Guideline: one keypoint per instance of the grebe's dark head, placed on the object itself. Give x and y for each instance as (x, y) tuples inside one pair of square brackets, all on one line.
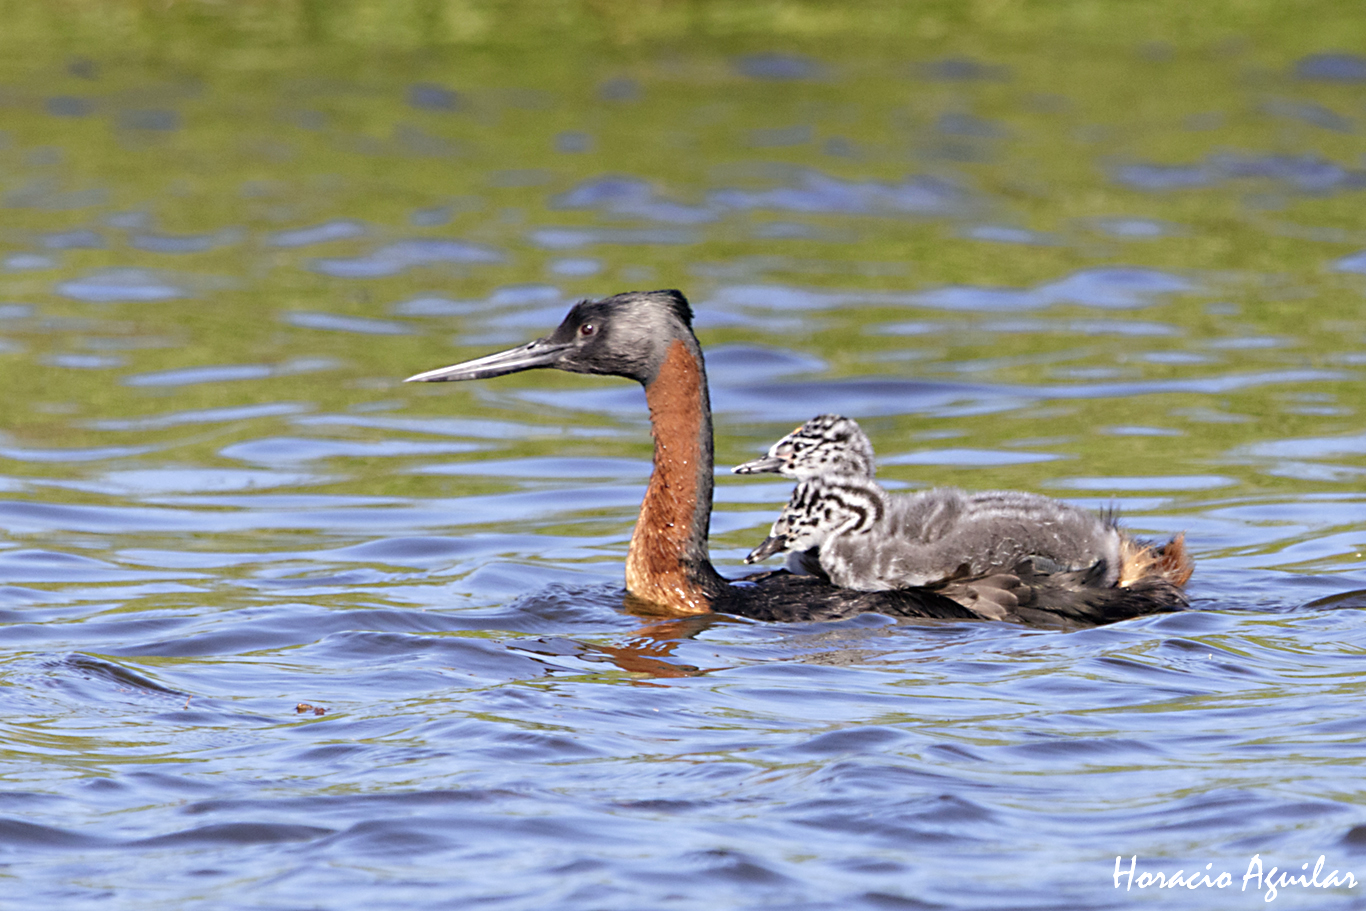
[(623, 335), (828, 444)]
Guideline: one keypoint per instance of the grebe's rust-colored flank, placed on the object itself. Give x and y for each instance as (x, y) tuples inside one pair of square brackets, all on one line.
[(647, 337)]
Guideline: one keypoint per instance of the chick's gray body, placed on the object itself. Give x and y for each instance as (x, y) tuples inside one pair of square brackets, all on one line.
[(926, 537), (841, 524)]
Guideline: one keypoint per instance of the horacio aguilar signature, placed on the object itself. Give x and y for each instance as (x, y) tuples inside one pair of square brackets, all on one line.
[(1272, 880)]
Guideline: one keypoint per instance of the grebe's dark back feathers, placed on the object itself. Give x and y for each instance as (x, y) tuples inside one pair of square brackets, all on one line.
[(1069, 600), (1073, 599), (781, 596)]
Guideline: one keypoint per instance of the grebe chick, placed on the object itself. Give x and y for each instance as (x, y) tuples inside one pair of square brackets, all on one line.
[(843, 526), (869, 540), (828, 444), (648, 337)]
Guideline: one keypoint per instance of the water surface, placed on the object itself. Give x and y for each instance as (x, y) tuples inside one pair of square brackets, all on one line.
[(1125, 276)]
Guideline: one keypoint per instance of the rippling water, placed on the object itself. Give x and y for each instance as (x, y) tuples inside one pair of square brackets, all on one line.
[(281, 632)]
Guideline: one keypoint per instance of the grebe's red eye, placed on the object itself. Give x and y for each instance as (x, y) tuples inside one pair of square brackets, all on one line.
[(587, 329)]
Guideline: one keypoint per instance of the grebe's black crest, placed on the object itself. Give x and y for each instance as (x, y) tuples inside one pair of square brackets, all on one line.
[(647, 336)]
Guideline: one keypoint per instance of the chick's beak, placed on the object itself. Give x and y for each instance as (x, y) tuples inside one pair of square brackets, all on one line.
[(772, 544), (759, 466)]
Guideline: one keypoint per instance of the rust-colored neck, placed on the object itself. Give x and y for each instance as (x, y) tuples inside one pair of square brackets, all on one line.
[(668, 562)]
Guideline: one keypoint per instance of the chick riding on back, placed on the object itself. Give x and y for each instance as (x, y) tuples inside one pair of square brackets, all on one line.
[(845, 527)]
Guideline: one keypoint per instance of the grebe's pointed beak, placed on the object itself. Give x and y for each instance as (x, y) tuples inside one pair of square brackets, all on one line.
[(760, 466), (772, 545), (540, 353)]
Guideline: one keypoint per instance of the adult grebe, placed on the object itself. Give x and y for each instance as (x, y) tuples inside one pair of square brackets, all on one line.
[(648, 337)]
